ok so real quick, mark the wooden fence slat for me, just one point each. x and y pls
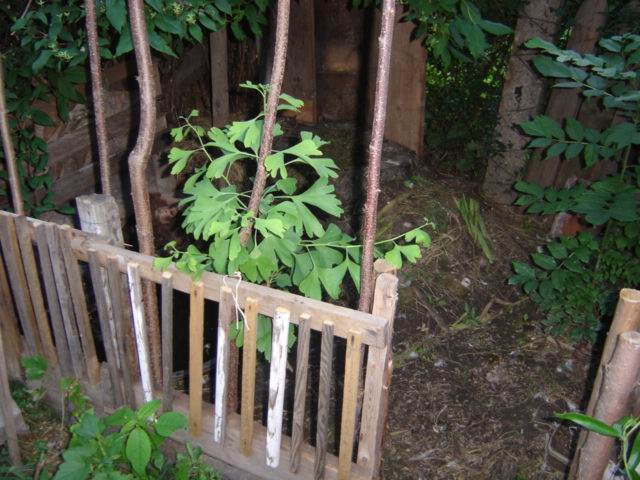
(300, 394)
(6, 402)
(140, 328)
(18, 281)
(9, 325)
(79, 305)
(35, 290)
(377, 379)
(196, 345)
(349, 401)
(248, 376)
(226, 312)
(324, 399)
(53, 304)
(104, 318)
(277, 376)
(64, 297)
(120, 323)
(167, 341)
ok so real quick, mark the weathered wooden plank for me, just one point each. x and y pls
(64, 297)
(277, 376)
(349, 401)
(140, 328)
(9, 325)
(167, 341)
(248, 375)
(6, 403)
(196, 335)
(53, 304)
(120, 320)
(15, 269)
(104, 317)
(377, 379)
(225, 315)
(79, 305)
(300, 394)
(324, 399)
(219, 78)
(35, 290)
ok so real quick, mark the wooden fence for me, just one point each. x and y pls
(52, 277)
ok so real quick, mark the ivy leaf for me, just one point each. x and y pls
(138, 450)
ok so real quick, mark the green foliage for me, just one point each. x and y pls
(46, 55)
(191, 467)
(573, 279)
(625, 431)
(292, 247)
(470, 212)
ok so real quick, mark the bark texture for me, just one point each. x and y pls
(138, 162)
(375, 153)
(9, 152)
(620, 376)
(277, 75)
(97, 94)
(564, 103)
(522, 97)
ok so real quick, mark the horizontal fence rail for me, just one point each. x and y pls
(75, 298)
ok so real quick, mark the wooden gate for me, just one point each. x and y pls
(75, 299)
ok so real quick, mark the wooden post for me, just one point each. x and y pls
(196, 334)
(626, 318)
(6, 403)
(225, 314)
(140, 327)
(278, 371)
(324, 399)
(300, 392)
(378, 378)
(619, 378)
(9, 325)
(349, 401)
(167, 341)
(219, 78)
(248, 376)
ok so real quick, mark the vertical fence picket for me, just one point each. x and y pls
(104, 317)
(6, 403)
(120, 321)
(248, 375)
(9, 325)
(349, 401)
(167, 341)
(277, 374)
(140, 328)
(196, 343)
(35, 289)
(300, 393)
(53, 304)
(18, 280)
(64, 297)
(79, 305)
(225, 314)
(377, 379)
(324, 399)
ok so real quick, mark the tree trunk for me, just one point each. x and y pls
(564, 103)
(138, 162)
(9, 152)
(277, 75)
(375, 154)
(522, 97)
(98, 98)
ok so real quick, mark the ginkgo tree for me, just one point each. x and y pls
(294, 244)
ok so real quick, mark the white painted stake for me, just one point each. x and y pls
(280, 335)
(222, 363)
(135, 291)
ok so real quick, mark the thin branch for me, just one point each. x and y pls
(98, 97)
(138, 162)
(9, 152)
(277, 75)
(375, 154)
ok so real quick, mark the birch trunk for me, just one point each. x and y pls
(522, 97)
